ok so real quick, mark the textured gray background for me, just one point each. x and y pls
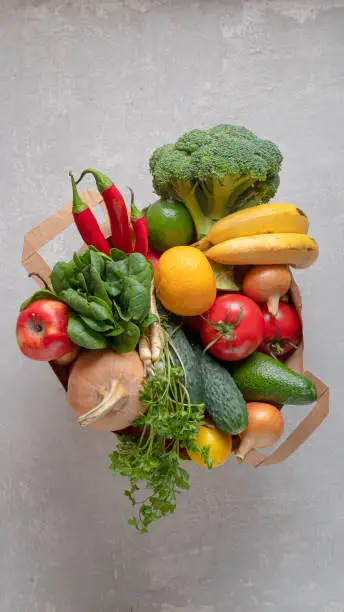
(102, 83)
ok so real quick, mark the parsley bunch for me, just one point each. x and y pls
(151, 461)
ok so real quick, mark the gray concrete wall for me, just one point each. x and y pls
(102, 83)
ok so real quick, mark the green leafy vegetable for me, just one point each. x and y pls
(83, 335)
(114, 288)
(62, 273)
(127, 340)
(100, 309)
(134, 299)
(98, 287)
(117, 255)
(78, 262)
(76, 302)
(97, 261)
(151, 318)
(138, 268)
(42, 294)
(101, 326)
(111, 295)
(82, 282)
(170, 423)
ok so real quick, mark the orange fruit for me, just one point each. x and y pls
(185, 281)
(219, 442)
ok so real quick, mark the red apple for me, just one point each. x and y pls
(42, 330)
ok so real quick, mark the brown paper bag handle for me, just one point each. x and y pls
(51, 227)
(300, 434)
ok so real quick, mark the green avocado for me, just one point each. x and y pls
(263, 379)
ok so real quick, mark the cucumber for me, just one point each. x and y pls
(263, 379)
(223, 400)
(181, 350)
(208, 382)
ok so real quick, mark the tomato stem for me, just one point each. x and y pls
(225, 328)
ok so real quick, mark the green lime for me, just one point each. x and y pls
(169, 224)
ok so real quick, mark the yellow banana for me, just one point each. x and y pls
(297, 250)
(265, 219)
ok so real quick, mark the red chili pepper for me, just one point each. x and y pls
(86, 222)
(140, 228)
(118, 214)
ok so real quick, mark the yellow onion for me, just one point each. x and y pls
(265, 427)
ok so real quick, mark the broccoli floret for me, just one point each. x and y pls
(217, 171)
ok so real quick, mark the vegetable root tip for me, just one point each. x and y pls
(273, 305)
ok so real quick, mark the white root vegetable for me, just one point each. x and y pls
(145, 353)
(156, 330)
(151, 340)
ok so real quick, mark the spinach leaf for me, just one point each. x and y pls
(113, 288)
(82, 335)
(116, 331)
(109, 297)
(87, 276)
(111, 273)
(140, 268)
(126, 342)
(41, 294)
(98, 287)
(117, 255)
(135, 299)
(76, 302)
(85, 257)
(102, 255)
(97, 262)
(74, 283)
(100, 309)
(61, 274)
(95, 308)
(78, 262)
(100, 326)
(151, 318)
(118, 312)
(115, 270)
(82, 282)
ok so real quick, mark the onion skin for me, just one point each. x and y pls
(267, 284)
(265, 427)
(110, 381)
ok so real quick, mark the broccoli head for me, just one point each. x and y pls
(216, 172)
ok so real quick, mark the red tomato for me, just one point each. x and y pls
(281, 333)
(233, 328)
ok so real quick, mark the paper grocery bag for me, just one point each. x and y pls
(58, 222)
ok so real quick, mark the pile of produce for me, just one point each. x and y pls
(175, 329)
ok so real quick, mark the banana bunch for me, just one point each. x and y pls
(268, 234)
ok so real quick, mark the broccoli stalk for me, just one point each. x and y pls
(215, 172)
(185, 192)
